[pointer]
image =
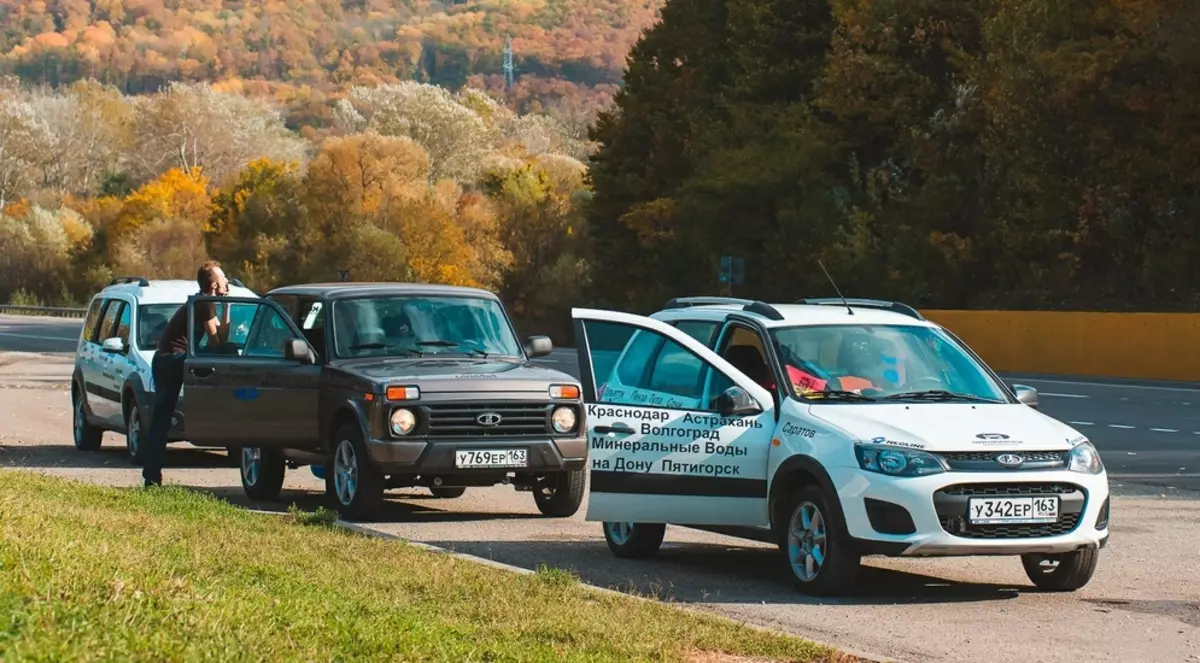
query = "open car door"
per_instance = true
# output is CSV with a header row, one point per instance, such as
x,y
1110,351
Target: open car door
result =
x,y
663,448
258,389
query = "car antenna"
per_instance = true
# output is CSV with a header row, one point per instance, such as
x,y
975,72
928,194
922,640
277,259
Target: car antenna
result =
x,y
835,288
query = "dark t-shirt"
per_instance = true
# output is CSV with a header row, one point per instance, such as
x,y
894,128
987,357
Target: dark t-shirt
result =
x,y
175,338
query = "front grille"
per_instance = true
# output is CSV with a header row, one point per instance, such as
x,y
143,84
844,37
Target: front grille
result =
x,y
952,503
1016,489
461,420
985,461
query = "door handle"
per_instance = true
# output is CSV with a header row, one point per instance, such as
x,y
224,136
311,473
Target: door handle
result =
x,y
624,429
203,371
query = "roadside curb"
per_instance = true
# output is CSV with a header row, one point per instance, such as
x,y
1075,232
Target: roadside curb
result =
x,y
361,529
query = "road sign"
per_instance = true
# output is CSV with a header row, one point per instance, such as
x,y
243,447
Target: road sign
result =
x,y
733,271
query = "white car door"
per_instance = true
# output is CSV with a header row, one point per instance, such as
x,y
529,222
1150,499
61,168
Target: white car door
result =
x,y
658,453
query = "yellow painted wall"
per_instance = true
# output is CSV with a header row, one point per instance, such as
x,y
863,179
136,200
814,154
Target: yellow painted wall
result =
x,y
1156,346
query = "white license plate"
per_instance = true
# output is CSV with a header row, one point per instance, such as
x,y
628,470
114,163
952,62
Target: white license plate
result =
x,y
1012,510
491,458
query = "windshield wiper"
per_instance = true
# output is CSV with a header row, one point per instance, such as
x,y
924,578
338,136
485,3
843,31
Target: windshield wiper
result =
x,y
938,395
385,346
836,395
453,344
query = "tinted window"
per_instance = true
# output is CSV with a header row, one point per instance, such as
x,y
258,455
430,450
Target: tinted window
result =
x,y
123,324
152,320
108,325
700,330
677,371
92,319
268,333
637,358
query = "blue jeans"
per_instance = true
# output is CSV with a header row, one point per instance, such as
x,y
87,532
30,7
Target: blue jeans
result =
x,y
168,380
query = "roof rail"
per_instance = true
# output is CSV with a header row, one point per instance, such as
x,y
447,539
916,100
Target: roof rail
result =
x,y
140,280
764,309
684,302
895,307
237,282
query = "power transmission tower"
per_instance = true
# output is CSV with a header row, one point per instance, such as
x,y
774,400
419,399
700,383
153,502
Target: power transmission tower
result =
x,y
508,63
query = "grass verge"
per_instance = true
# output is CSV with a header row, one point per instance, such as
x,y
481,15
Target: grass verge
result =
x,y
99,573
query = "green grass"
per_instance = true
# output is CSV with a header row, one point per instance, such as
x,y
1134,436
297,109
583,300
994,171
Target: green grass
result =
x,y
98,573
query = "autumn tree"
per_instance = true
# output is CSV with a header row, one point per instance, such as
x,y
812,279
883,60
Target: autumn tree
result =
x,y
160,228
190,126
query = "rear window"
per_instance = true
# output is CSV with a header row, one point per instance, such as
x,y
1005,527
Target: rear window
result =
x,y
152,320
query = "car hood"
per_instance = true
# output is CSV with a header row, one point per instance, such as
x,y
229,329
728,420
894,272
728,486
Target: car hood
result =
x,y
457,374
951,426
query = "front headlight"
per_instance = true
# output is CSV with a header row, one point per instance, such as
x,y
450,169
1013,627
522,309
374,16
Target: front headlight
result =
x,y
1085,459
563,419
403,421
897,461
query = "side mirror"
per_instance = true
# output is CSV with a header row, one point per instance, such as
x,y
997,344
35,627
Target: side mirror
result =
x,y
297,350
1026,394
113,345
538,346
736,401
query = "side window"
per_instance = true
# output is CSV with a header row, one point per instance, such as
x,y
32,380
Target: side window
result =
x,y
241,315
268,333
654,371
92,319
743,348
108,326
123,324
700,330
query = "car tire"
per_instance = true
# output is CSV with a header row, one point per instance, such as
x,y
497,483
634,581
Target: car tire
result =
x,y
813,527
87,436
447,493
262,471
559,495
1069,571
352,482
135,434
634,540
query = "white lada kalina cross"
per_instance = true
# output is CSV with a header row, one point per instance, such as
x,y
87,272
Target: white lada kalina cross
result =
x,y
834,429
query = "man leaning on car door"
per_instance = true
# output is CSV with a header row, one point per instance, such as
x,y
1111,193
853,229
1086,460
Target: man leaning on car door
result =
x,y
167,367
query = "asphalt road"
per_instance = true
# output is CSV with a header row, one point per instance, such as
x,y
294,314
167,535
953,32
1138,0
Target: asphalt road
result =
x,y
1148,433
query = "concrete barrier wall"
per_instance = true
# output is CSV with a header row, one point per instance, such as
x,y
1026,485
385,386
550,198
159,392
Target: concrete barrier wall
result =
x,y
1152,346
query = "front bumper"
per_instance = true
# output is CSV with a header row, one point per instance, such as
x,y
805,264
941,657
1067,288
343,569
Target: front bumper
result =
x,y
927,516
436,457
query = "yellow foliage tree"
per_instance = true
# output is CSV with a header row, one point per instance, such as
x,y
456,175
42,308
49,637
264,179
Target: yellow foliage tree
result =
x,y
160,229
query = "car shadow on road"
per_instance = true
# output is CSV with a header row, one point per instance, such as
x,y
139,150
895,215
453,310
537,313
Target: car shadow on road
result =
x,y
111,455
713,573
393,511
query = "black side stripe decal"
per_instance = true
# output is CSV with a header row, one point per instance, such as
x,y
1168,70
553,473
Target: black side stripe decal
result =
x,y
674,484
102,392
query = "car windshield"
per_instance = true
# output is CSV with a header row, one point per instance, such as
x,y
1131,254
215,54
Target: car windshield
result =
x,y
421,325
152,319
872,363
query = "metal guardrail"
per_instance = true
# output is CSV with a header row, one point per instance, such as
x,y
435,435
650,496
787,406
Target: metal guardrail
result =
x,y
52,311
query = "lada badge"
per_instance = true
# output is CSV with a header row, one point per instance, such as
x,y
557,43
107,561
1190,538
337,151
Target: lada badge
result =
x,y
1010,460
489,419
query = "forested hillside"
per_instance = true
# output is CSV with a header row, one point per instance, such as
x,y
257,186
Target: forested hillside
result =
x,y
950,153
569,54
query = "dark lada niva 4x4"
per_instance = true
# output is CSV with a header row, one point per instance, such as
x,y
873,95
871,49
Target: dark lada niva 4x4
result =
x,y
389,385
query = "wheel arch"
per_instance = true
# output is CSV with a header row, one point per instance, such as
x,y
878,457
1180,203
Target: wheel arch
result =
x,y
793,474
348,412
